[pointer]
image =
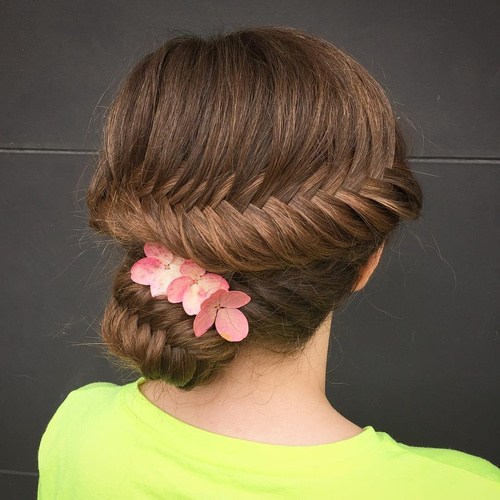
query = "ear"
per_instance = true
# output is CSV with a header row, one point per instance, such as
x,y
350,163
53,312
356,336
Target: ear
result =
x,y
368,269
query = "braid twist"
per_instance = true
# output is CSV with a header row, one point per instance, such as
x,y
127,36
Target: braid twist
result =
x,y
338,219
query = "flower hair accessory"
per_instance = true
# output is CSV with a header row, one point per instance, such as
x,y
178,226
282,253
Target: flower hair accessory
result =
x,y
203,294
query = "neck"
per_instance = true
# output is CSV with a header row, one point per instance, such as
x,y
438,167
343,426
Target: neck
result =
x,y
260,398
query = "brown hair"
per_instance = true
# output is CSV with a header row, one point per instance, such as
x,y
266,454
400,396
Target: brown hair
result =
x,y
266,155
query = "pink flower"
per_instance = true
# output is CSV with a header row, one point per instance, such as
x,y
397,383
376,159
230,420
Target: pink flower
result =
x,y
194,286
203,294
222,308
158,269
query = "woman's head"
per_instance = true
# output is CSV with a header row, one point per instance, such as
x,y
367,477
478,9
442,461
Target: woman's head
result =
x,y
266,155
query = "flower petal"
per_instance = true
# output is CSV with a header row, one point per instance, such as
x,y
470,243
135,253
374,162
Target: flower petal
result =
x,y
151,271
192,269
234,298
157,250
177,263
204,320
231,324
192,299
177,288
213,300
160,284
211,282
144,271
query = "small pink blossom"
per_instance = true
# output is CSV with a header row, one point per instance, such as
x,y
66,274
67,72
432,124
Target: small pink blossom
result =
x,y
203,294
194,286
158,269
222,308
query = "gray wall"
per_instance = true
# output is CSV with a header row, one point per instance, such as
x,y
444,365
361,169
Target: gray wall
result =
x,y
414,354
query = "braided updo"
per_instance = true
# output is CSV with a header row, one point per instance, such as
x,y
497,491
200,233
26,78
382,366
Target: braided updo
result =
x,y
266,155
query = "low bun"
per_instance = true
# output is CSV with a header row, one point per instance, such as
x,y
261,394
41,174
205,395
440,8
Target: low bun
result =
x,y
156,337
267,156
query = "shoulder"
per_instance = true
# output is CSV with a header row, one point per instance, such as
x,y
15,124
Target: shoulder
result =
x,y
93,390
424,472
461,462
81,405
438,472
93,394
85,428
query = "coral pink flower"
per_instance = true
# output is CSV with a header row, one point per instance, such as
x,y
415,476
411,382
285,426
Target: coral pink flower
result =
x,y
222,308
194,286
158,269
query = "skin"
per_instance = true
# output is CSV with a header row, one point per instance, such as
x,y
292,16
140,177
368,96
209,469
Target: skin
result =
x,y
263,399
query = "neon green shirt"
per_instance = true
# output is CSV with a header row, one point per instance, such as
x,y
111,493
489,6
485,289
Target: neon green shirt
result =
x,y
107,441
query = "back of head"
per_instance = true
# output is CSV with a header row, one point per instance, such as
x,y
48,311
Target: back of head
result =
x,y
266,155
